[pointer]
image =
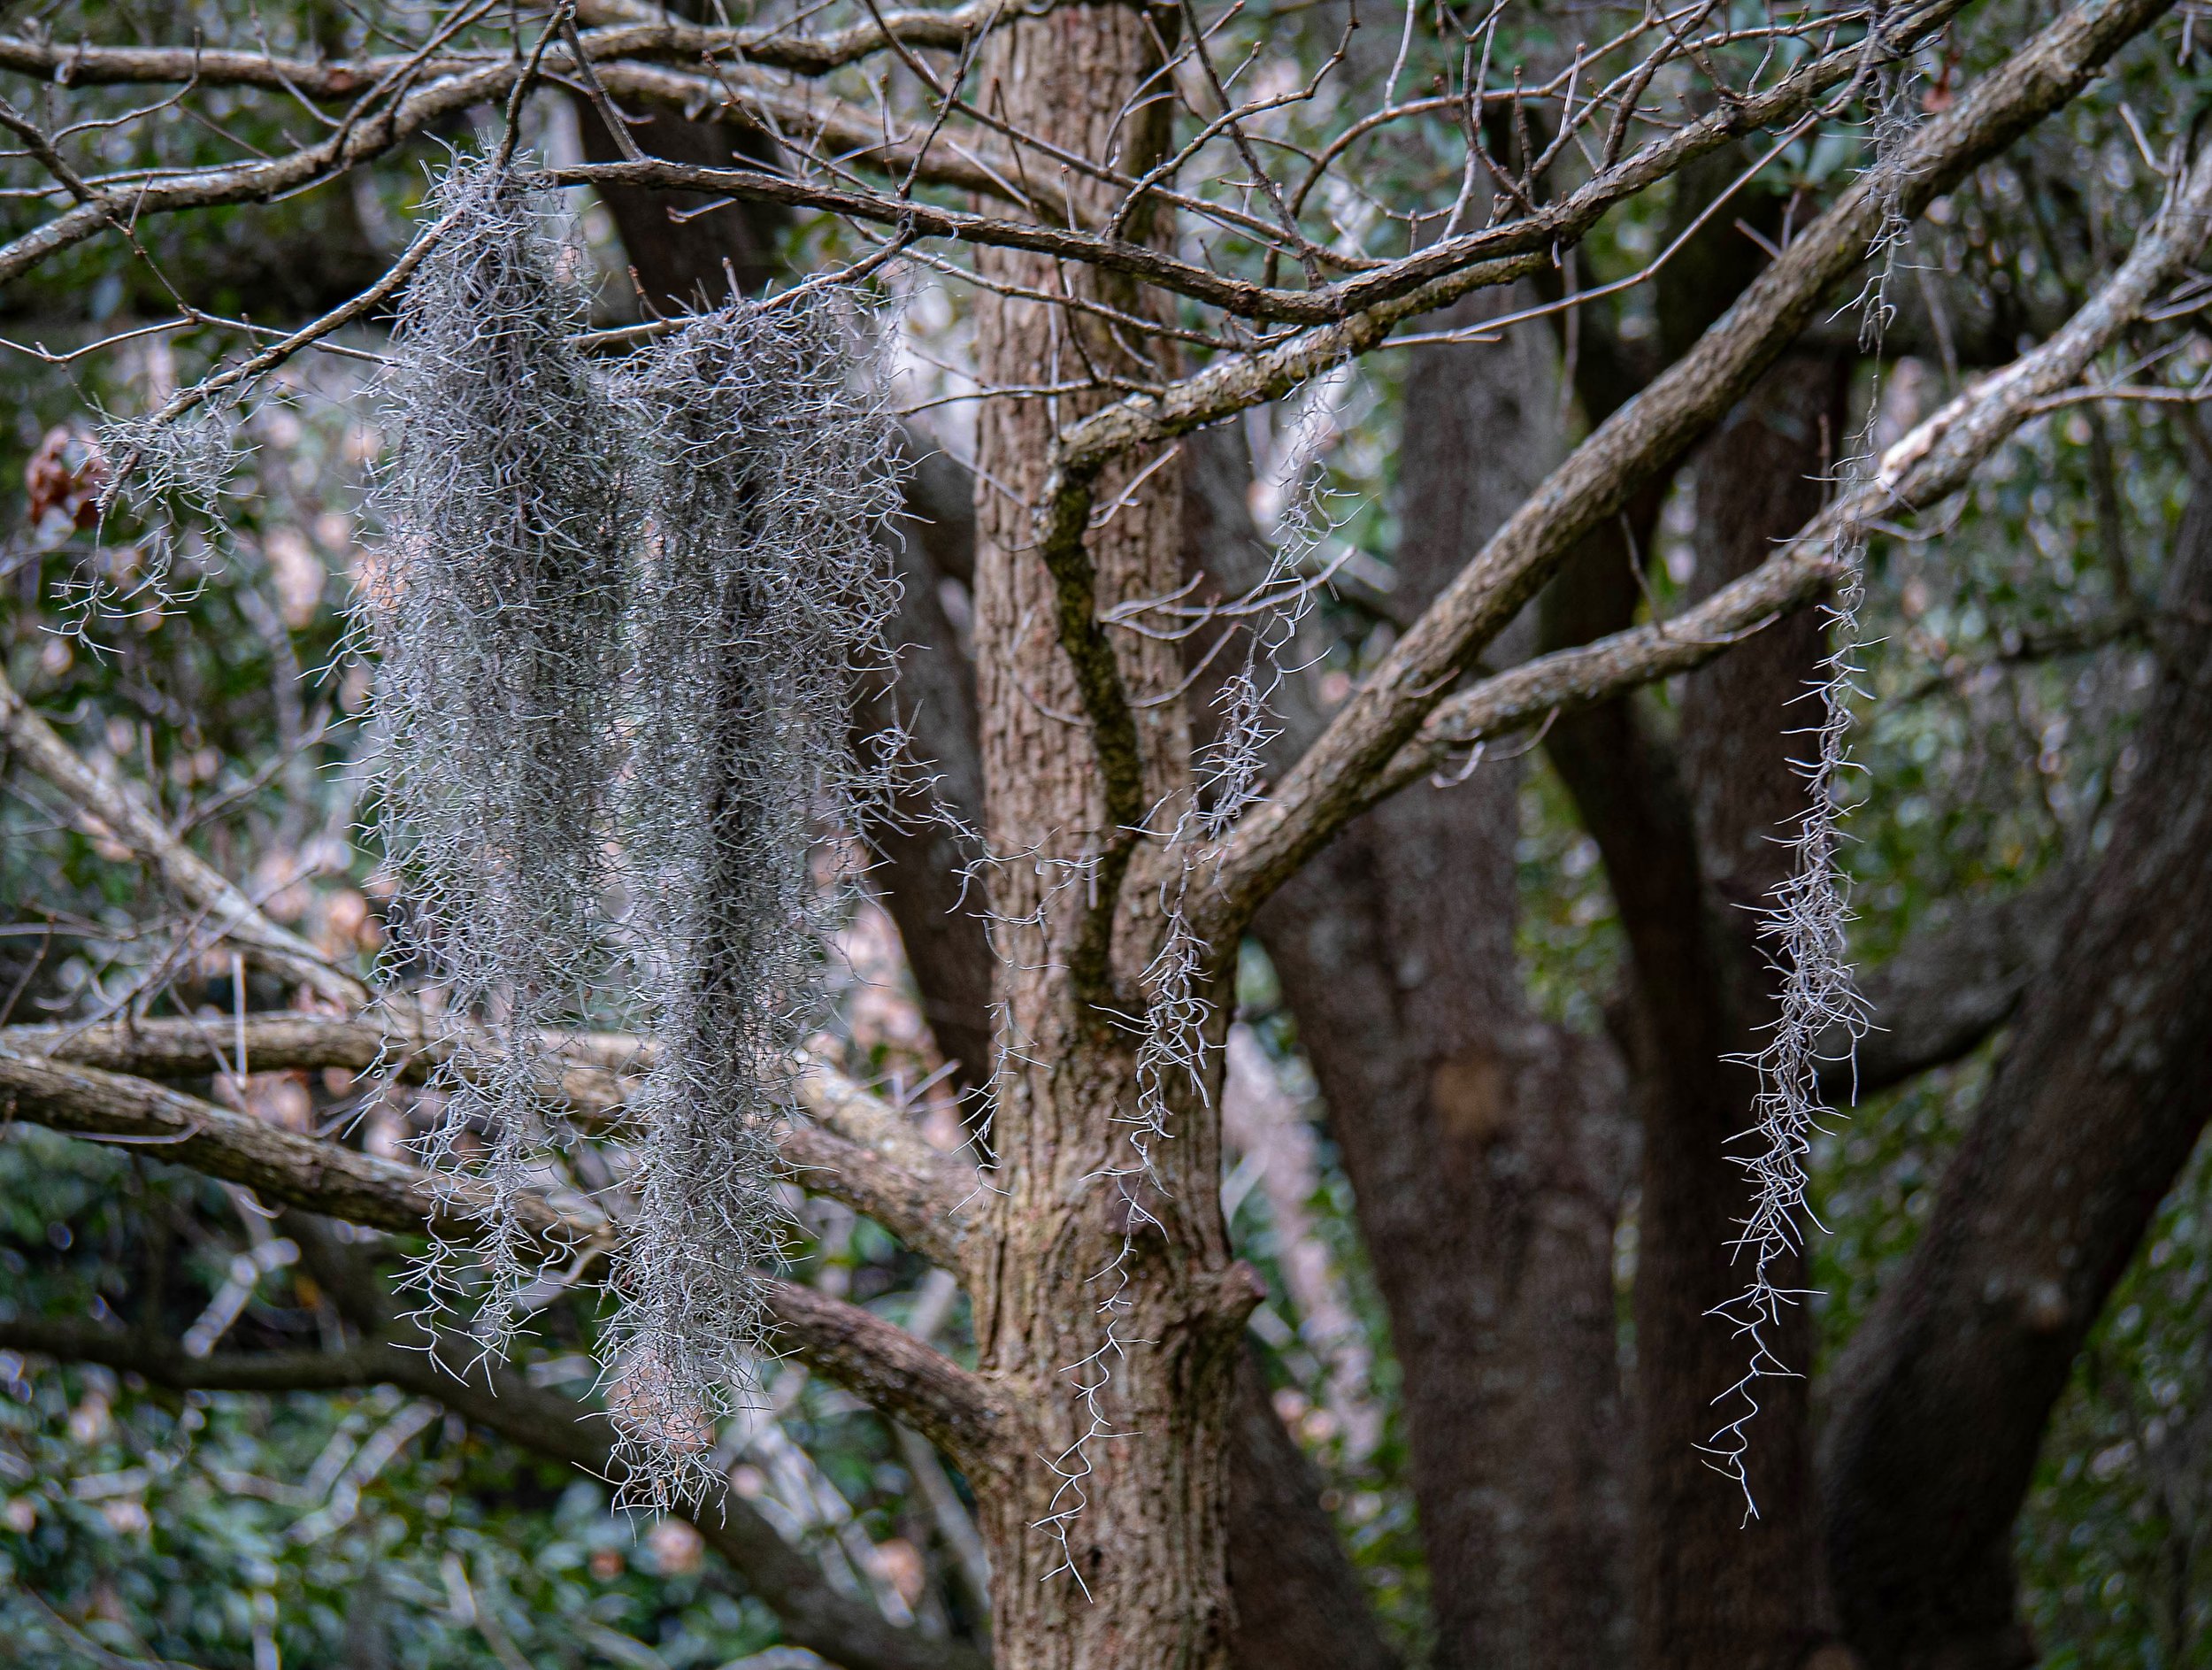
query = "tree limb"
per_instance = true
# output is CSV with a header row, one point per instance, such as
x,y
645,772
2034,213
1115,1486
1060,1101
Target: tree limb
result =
x,y
915,1203
1331,783
1428,279
1948,987
495,1397
1567,680
618,31
365,1364
868,1154
323,1177
613,53
355,142
885,1366
1942,1399
1932,462
646,29
192,1047
104,796
854,137
468,81
277,1164
863,1151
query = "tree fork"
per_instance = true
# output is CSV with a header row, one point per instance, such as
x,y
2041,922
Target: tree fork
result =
x,y
1105,1299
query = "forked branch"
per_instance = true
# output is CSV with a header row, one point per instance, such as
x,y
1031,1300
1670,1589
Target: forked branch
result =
x,y
1430,278
1932,461
230,914
872,1358
1333,781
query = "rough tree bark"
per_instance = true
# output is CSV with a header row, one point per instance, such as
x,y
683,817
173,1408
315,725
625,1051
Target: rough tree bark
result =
x,y
1484,1145
1108,1311
1105,1301
1299,1601
1686,835
1942,1398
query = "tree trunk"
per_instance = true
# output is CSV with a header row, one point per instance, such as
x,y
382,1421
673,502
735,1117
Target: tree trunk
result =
x,y
923,858
1484,1146
1943,1397
1687,835
1104,1298
1758,479
1299,1605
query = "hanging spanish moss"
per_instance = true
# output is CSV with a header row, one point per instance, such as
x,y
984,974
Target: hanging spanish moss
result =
x,y
172,478
763,590
1807,915
495,608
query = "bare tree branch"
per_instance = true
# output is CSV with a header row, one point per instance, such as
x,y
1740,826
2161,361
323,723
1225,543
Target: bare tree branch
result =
x,y
732,95
494,1397
915,1204
279,1164
867,1148
618,31
1547,230
632,27
1430,278
862,1151
850,137
592,1074
1932,462
354,142
874,1359
104,796
469,81
1329,784
189,1047
1153,267
885,1366
1282,832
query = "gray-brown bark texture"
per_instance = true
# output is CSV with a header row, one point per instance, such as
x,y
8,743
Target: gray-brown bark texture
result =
x,y
1686,833
1484,1146
1943,1396
1298,1599
1115,1429
1090,1275
1299,1605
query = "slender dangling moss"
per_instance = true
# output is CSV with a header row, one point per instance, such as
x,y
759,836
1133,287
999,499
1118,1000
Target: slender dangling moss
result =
x,y
495,607
763,588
